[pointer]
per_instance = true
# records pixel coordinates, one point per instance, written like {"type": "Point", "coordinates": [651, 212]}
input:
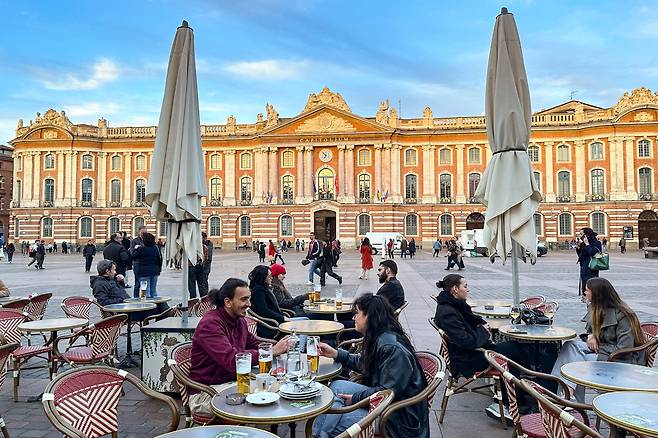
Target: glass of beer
{"type": "Point", "coordinates": [142, 290]}
{"type": "Point", "coordinates": [312, 354]}
{"type": "Point", "coordinates": [317, 288]}
{"type": "Point", "coordinates": [243, 369]}
{"type": "Point", "coordinates": [264, 357]}
{"type": "Point", "coordinates": [339, 298]}
{"type": "Point", "coordinates": [311, 295]}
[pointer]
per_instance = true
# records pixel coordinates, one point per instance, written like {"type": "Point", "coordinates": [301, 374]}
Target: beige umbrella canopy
{"type": "Point", "coordinates": [508, 189]}
{"type": "Point", "coordinates": [177, 177]}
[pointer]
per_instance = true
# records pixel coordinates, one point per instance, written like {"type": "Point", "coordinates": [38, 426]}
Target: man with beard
{"type": "Point", "coordinates": [391, 288]}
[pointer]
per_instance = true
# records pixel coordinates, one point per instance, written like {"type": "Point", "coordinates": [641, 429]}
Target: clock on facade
{"type": "Point", "coordinates": [325, 155]}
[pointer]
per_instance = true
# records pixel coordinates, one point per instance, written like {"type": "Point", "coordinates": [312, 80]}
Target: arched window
{"type": "Point", "coordinates": [215, 189]}
{"type": "Point", "coordinates": [364, 188]}
{"type": "Point", "coordinates": [215, 162]}
{"type": "Point", "coordinates": [137, 223]}
{"type": "Point", "coordinates": [645, 182]}
{"type": "Point", "coordinates": [473, 183]}
{"type": "Point", "coordinates": [564, 185]}
{"type": "Point", "coordinates": [17, 227]}
{"type": "Point", "coordinates": [140, 190]}
{"type": "Point", "coordinates": [445, 156]}
{"type": "Point", "coordinates": [445, 224]}
{"type": "Point", "coordinates": [596, 151]}
{"type": "Point", "coordinates": [245, 226]}
{"type": "Point", "coordinates": [287, 158]}
{"type": "Point", "coordinates": [47, 227]}
{"type": "Point", "coordinates": [49, 190]}
{"type": "Point", "coordinates": [140, 162]}
{"type": "Point", "coordinates": [214, 226]}
{"type": "Point", "coordinates": [474, 155]}
{"type": "Point", "coordinates": [115, 192]}
{"type": "Point", "coordinates": [410, 157]}
{"type": "Point", "coordinates": [411, 225]}
{"type": "Point", "coordinates": [326, 184]}
{"type": "Point", "coordinates": [537, 177]}
{"type": "Point", "coordinates": [445, 187]}
{"type": "Point", "coordinates": [288, 188]}
{"type": "Point", "coordinates": [87, 162]}
{"type": "Point", "coordinates": [643, 148]}
{"type": "Point", "coordinates": [49, 161]}
{"type": "Point", "coordinates": [565, 224]}
{"type": "Point", "coordinates": [410, 188]}
{"type": "Point", "coordinates": [563, 153]}
{"type": "Point", "coordinates": [533, 153]}
{"type": "Point", "coordinates": [538, 227]}
{"type": "Point", "coordinates": [598, 223]}
{"type": "Point", "coordinates": [86, 226]}
{"type": "Point", "coordinates": [245, 161]}
{"type": "Point", "coordinates": [115, 162]}
{"type": "Point", "coordinates": [87, 190]}
{"type": "Point", "coordinates": [364, 224]}
{"type": "Point", "coordinates": [113, 225]}
{"type": "Point", "coordinates": [597, 182]}
{"type": "Point", "coordinates": [245, 190]}
{"type": "Point", "coordinates": [364, 157]}
{"type": "Point", "coordinates": [286, 225]}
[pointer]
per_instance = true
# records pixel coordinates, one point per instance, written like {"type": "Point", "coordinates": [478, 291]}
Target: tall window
{"type": "Point", "coordinates": [411, 225]}
{"type": "Point", "coordinates": [537, 177]}
{"type": "Point", "coordinates": [287, 158]}
{"type": "Point", "coordinates": [364, 187]}
{"type": "Point", "coordinates": [137, 223]}
{"type": "Point", "coordinates": [598, 182]}
{"type": "Point", "coordinates": [245, 189]}
{"type": "Point", "coordinates": [17, 227]}
{"type": "Point", "coordinates": [288, 188]}
{"type": "Point", "coordinates": [565, 224]}
{"type": "Point", "coordinates": [473, 183]}
{"type": "Point", "coordinates": [113, 225]}
{"type": "Point", "coordinates": [410, 157]}
{"type": "Point", "coordinates": [445, 185]}
{"type": "Point", "coordinates": [474, 155]}
{"type": "Point", "coordinates": [533, 153]}
{"type": "Point", "coordinates": [140, 190]}
{"type": "Point", "coordinates": [643, 148]}
{"type": "Point", "coordinates": [215, 162]}
{"type": "Point", "coordinates": [445, 224]}
{"type": "Point", "coordinates": [563, 153]}
{"type": "Point", "coordinates": [364, 157]}
{"type": "Point", "coordinates": [445, 156]}
{"type": "Point", "coordinates": [86, 227]}
{"type": "Point", "coordinates": [19, 163]}
{"type": "Point", "coordinates": [245, 226]}
{"type": "Point", "coordinates": [115, 162]}
{"type": "Point", "coordinates": [326, 184]}
{"type": "Point", "coordinates": [645, 181]}
{"type": "Point", "coordinates": [564, 184]}
{"type": "Point", "coordinates": [140, 162]}
{"type": "Point", "coordinates": [215, 189]}
{"type": "Point", "coordinates": [596, 151]}
{"type": "Point", "coordinates": [47, 227]}
{"type": "Point", "coordinates": [18, 194]}
{"type": "Point", "coordinates": [87, 162]}
{"type": "Point", "coordinates": [286, 225]}
{"type": "Point", "coordinates": [411, 187]}
{"type": "Point", "coordinates": [215, 227]}
{"type": "Point", "coordinates": [537, 218]}
{"type": "Point", "coordinates": [87, 190]}
{"type": "Point", "coordinates": [115, 191]}
{"type": "Point", "coordinates": [245, 161]}
{"type": "Point", "coordinates": [364, 224]}
{"type": "Point", "coordinates": [49, 190]}
{"type": "Point", "coordinates": [598, 222]}
{"type": "Point", "coordinates": [49, 161]}
{"type": "Point", "coordinates": [163, 228]}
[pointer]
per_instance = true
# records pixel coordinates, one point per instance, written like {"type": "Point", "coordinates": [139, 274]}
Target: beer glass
{"type": "Point", "coordinates": [311, 295]}
{"type": "Point", "coordinates": [339, 298]}
{"type": "Point", "coordinates": [264, 357]}
{"type": "Point", "coordinates": [243, 369]}
{"type": "Point", "coordinates": [317, 288]}
{"type": "Point", "coordinates": [294, 364]}
{"type": "Point", "coordinates": [142, 289]}
{"type": "Point", "coordinates": [312, 354]}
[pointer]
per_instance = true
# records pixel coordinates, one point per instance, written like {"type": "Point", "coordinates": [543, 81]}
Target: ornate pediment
{"type": "Point", "coordinates": [639, 96]}
{"type": "Point", "coordinates": [325, 122]}
{"type": "Point", "coordinates": [326, 97]}
{"type": "Point", "coordinates": [50, 118]}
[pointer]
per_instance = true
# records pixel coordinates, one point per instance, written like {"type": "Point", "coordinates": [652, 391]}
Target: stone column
{"type": "Point", "coordinates": [74, 177]}
{"type": "Point", "coordinates": [28, 158]}
{"type": "Point", "coordinates": [429, 189]}
{"type": "Point", "coordinates": [386, 170]}
{"type": "Point", "coordinates": [309, 174]}
{"type": "Point", "coordinates": [299, 178]}
{"type": "Point", "coordinates": [378, 171]}
{"type": "Point", "coordinates": [101, 180]}
{"type": "Point", "coordinates": [206, 166]}
{"type": "Point", "coordinates": [340, 196]}
{"type": "Point", "coordinates": [229, 173]}
{"type": "Point", "coordinates": [350, 196]}
{"type": "Point", "coordinates": [59, 182]}
{"type": "Point", "coordinates": [460, 198]}
{"type": "Point", "coordinates": [549, 190]}
{"type": "Point", "coordinates": [37, 182]}
{"type": "Point", "coordinates": [581, 173]}
{"type": "Point", "coordinates": [127, 179]}
{"type": "Point", "coordinates": [396, 198]}
{"type": "Point", "coordinates": [261, 179]}
{"type": "Point", "coordinates": [616, 169]}
{"type": "Point", "coordinates": [274, 174]}
{"type": "Point", "coordinates": [629, 161]}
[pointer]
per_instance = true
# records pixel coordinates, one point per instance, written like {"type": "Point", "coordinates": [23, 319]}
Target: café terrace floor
{"type": "Point", "coordinates": [554, 276]}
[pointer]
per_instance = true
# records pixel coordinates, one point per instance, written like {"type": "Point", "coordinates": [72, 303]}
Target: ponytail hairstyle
{"type": "Point", "coordinates": [449, 281]}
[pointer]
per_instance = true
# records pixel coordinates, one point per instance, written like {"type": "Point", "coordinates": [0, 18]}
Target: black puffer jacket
{"type": "Point", "coordinates": [264, 303]}
{"type": "Point", "coordinates": [107, 291]}
{"type": "Point", "coordinates": [117, 253]}
{"type": "Point", "coordinates": [287, 301]}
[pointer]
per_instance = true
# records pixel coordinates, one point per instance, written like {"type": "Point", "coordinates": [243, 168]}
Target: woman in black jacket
{"type": "Point", "coordinates": [388, 361]}
{"type": "Point", "coordinates": [283, 297]}
{"type": "Point", "coordinates": [150, 264]}
{"type": "Point", "coordinates": [587, 247]}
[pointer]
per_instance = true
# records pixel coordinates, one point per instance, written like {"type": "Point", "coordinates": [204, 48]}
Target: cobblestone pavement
{"type": "Point", "coordinates": [555, 276]}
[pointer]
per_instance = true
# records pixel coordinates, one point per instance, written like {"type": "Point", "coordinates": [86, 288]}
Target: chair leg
{"type": "Point", "coordinates": [444, 401]}
{"type": "Point", "coordinates": [501, 406]}
{"type": "Point", "coordinates": [188, 417]}
{"type": "Point", "coordinates": [17, 377]}
{"type": "Point", "coordinates": [3, 427]}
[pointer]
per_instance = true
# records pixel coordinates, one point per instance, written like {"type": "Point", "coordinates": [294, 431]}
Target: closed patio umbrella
{"type": "Point", "coordinates": [177, 176]}
{"type": "Point", "coordinates": [508, 188]}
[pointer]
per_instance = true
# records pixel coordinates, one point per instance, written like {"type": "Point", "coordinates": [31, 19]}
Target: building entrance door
{"type": "Point", "coordinates": [325, 224]}
{"type": "Point", "coordinates": [475, 221]}
{"type": "Point", "coordinates": [647, 225]}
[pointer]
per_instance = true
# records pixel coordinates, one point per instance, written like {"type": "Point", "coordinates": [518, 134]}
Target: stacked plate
{"type": "Point", "coordinates": [300, 391]}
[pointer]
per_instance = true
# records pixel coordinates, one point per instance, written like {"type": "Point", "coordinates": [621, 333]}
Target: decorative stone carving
{"type": "Point", "coordinates": [272, 115]}
{"type": "Point", "coordinates": [20, 124]}
{"type": "Point", "coordinates": [52, 117]}
{"type": "Point", "coordinates": [326, 97]}
{"type": "Point", "coordinates": [102, 123]}
{"type": "Point", "coordinates": [230, 124]}
{"type": "Point", "coordinates": [259, 118]}
{"type": "Point", "coordinates": [393, 118]}
{"type": "Point", "coordinates": [382, 113]}
{"type": "Point", "coordinates": [325, 122]}
{"type": "Point", "coordinates": [639, 96]}
{"type": "Point", "coordinates": [643, 117]}
{"type": "Point", "coordinates": [49, 134]}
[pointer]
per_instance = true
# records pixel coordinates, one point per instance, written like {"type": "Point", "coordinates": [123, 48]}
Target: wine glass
{"type": "Point", "coordinates": [549, 312]}
{"type": "Point", "coordinates": [515, 312]}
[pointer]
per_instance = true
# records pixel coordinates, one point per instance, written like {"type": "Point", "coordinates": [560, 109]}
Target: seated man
{"type": "Point", "coordinates": [391, 288]}
{"type": "Point", "coordinates": [220, 335]}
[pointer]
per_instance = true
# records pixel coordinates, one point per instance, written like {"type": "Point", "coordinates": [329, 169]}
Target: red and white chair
{"type": "Point", "coordinates": [534, 301]}
{"type": "Point", "coordinates": [365, 428]}
{"type": "Point", "coordinates": [5, 352]}
{"type": "Point", "coordinates": [38, 306]}
{"type": "Point", "coordinates": [78, 307]}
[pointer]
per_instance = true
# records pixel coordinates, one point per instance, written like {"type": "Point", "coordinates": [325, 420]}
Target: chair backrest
{"type": "Point", "coordinates": [20, 305]}
{"type": "Point", "coordinates": [38, 305]}
{"type": "Point", "coordinates": [400, 309]}
{"type": "Point", "coordinates": [5, 352]}
{"type": "Point", "coordinates": [650, 330]}
{"type": "Point", "coordinates": [252, 324]}
{"type": "Point", "coordinates": [77, 307]}
{"type": "Point", "coordinates": [434, 369]}
{"type": "Point", "coordinates": [203, 306]}
{"type": "Point", "coordinates": [500, 363]}
{"type": "Point", "coordinates": [365, 427]}
{"type": "Point", "coordinates": [180, 364]}
{"type": "Point", "coordinates": [105, 334]}
{"type": "Point", "coordinates": [10, 319]}
{"type": "Point", "coordinates": [548, 306]}
{"type": "Point", "coordinates": [83, 401]}
{"type": "Point", "coordinates": [534, 301]}
{"type": "Point", "coordinates": [443, 348]}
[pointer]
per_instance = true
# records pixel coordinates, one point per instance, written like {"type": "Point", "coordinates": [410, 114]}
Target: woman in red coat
{"type": "Point", "coordinates": [366, 258]}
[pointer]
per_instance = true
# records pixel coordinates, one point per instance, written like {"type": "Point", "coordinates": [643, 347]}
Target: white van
{"type": "Point", "coordinates": [378, 241]}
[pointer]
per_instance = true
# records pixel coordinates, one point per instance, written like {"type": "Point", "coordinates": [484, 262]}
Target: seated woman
{"type": "Point", "coordinates": [610, 325]}
{"type": "Point", "coordinates": [283, 297]}
{"type": "Point", "coordinates": [388, 362]}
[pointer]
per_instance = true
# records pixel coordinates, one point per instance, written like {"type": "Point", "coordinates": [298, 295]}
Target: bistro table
{"type": "Point", "coordinates": [156, 300]}
{"type": "Point", "coordinates": [128, 308]}
{"type": "Point", "coordinates": [327, 370]}
{"type": "Point", "coordinates": [311, 327]}
{"type": "Point", "coordinates": [496, 312]}
{"type": "Point", "coordinates": [219, 432]}
{"type": "Point", "coordinates": [629, 410]}
{"type": "Point", "coordinates": [329, 308]}
{"type": "Point", "coordinates": [611, 376]}
{"type": "Point", "coordinates": [537, 334]}
{"type": "Point", "coordinates": [485, 302]}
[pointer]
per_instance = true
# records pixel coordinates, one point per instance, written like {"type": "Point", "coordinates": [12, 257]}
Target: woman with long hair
{"type": "Point", "coordinates": [263, 301]}
{"type": "Point", "coordinates": [366, 258]}
{"type": "Point", "coordinates": [586, 248]}
{"type": "Point", "coordinates": [283, 297]}
{"type": "Point", "coordinates": [388, 361]}
{"type": "Point", "coordinates": [610, 325]}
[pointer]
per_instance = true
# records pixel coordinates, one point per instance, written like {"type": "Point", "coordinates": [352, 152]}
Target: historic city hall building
{"type": "Point", "coordinates": [336, 172]}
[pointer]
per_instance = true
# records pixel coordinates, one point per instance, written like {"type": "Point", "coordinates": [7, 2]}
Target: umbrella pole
{"type": "Point", "coordinates": [515, 274]}
{"type": "Point", "coordinates": [186, 274]}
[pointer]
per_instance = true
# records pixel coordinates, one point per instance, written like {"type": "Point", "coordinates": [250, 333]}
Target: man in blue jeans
{"type": "Point", "coordinates": [313, 255]}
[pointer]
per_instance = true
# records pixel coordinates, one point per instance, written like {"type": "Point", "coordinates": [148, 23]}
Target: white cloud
{"type": "Point", "coordinates": [104, 70]}
{"type": "Point", "coordinates": [268, 69]}
{"type": "Point", "coordinates": [93, 109]}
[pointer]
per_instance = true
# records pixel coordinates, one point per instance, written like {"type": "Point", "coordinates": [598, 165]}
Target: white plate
{"type": "Point", "coordinates": [262, 398]}
{"type": "Point", "coordinates": [292, 389]}
{"type": "Point", "coordinates": [300, 397]}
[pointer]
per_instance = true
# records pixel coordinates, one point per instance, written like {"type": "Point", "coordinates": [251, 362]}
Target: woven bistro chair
{"type": "Point", "coordinates": [5, 351]}
{"type": "Point", "coordinates": [172, 312]}
{"type": "Point", "coordinates": [365, 427]}
{"type": "Point", "coordinates": [399, 310]}
{"type": "Point", "coordinates": [21, 305]}
{"type": "Point", "coordinates": [38, 306]}
{"type": "Point", "coordinates": [265, 322]}
{"type": "Point", "coordinates": [202, 307]}
{"type": "Point", "coordinates": [79, 307]}
{"type": "Point", "coordinates": [533, 302]}
{"type": "Point", "coordinates": [82, 402]}
{"type": "Point", "coordinates": [650, 330]}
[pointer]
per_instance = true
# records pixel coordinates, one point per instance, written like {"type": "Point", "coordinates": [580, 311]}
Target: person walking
{"type": "Point", "coordinates": [437, 248]}
{"type": "Point", "coordinates": [366, 258]}
{"type": "Point", "coordinates": [389, 248]}
{"type": "Point", "coordinates": [137, 241]}
{"type": "Point", "coordinates": [32, 252]}
{"type": "Point", "coordinates": [23, 247]}
{"type": "Point", "coordinates": [622, 245]}
{"type": "Point", "coordinates": [277, 252]}
{"type": "Point", "coordinates": [261, 252]}
{"type": "Point", "coordinates": [88, 253]}
{"type": "Point", "coordinates": [404, 246]}
{"type": "Point", "coordinates": [326, 266]}
{"type": "Point", "coordinates": [412, 248]}
{"type": "Point", "coordinates": [117, 253]}
{"type": "Point", "coordinates": [604, 244]}
{"type": "Point", "coordinates": [453, 256]}
{"type": "Point", "coordinates": [297, 245]}
{"type": "Point", "coordinates": [55, 247]}
{"type": "Point", "coordinates": [10, 251]}
{"type": "Point", "coordinates": [313, 254]}
{"type": "Point", "coordinates": [41, 254]}
{"type": "Point", "coordinates": [587, 247]}
{"type": "Point", "coordinates": [335, 246]}
{"type": "Point", "coordinates": [207, 264]}
{"type": "Point", "coordinates": [149, 258]}
{"type": "Point", "coordinates": [65, 247]}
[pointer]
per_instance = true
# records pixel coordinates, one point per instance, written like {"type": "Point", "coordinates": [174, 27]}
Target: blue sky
{"type": "Point", "coordinates": [109, 59]}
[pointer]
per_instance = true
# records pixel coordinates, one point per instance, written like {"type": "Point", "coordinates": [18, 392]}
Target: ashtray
{"type": "Point", "coordinates": [488, 307]}
{"type": "Point", "coordinates": [235, 399]}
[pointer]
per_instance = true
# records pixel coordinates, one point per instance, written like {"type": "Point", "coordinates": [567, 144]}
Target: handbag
{"type": "Point", "coordinates": [534, 316]}
{"type": "Point", "coordinates": [599, 262]}
{"type": "Point", "coordinates": [305, 262]}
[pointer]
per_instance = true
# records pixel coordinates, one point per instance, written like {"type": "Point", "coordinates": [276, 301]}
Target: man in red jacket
{"type": "Point", "coordinates": [220, 335]}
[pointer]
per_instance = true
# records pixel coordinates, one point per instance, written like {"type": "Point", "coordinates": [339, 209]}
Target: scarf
{"type": "Point", "coordinates": [446, 298]}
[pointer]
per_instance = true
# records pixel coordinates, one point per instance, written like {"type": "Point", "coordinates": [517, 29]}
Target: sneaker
{"type": "Point", "coordinates": [309, 283]}
{"type": "Point", "coordinates": [360, 278]}
{"type": "Point", "coordinates": [493, 411]}
{"type": "Point", "coordinates": [340, 280]}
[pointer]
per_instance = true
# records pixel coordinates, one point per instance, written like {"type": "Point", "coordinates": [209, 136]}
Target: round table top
{"type": "Point", "coordinates": [5, 300]}
{"type": "Point", "coordinates": [628, 410]}
{"type": "Point", "coordinates": [486, 302]}
{"type": "Point", "coordinates": [219, 432]}
{"type": "Point", "coordinates": [496, 323]}
{"type": "Point", "coordinates": [327, 370]}
{"type": "Point", "coordinates": [311, 327]}
{"type": "Point", "coordinates": [538, 332]}
{"type": "Point", "coordinates": [329, 307]}
{"type": "Point", "coordinates": [156, 300]}
{"type": "Point", "coordinates": [281, 411]}
{"type": "Point", "coordinates": [496, 312]}
{"type": "Point", "coordinates": [611, 376]}
{"type": "Point", "coordinates": [52, 325]}
{"type": "Point", "coordinates": [129, 307]}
